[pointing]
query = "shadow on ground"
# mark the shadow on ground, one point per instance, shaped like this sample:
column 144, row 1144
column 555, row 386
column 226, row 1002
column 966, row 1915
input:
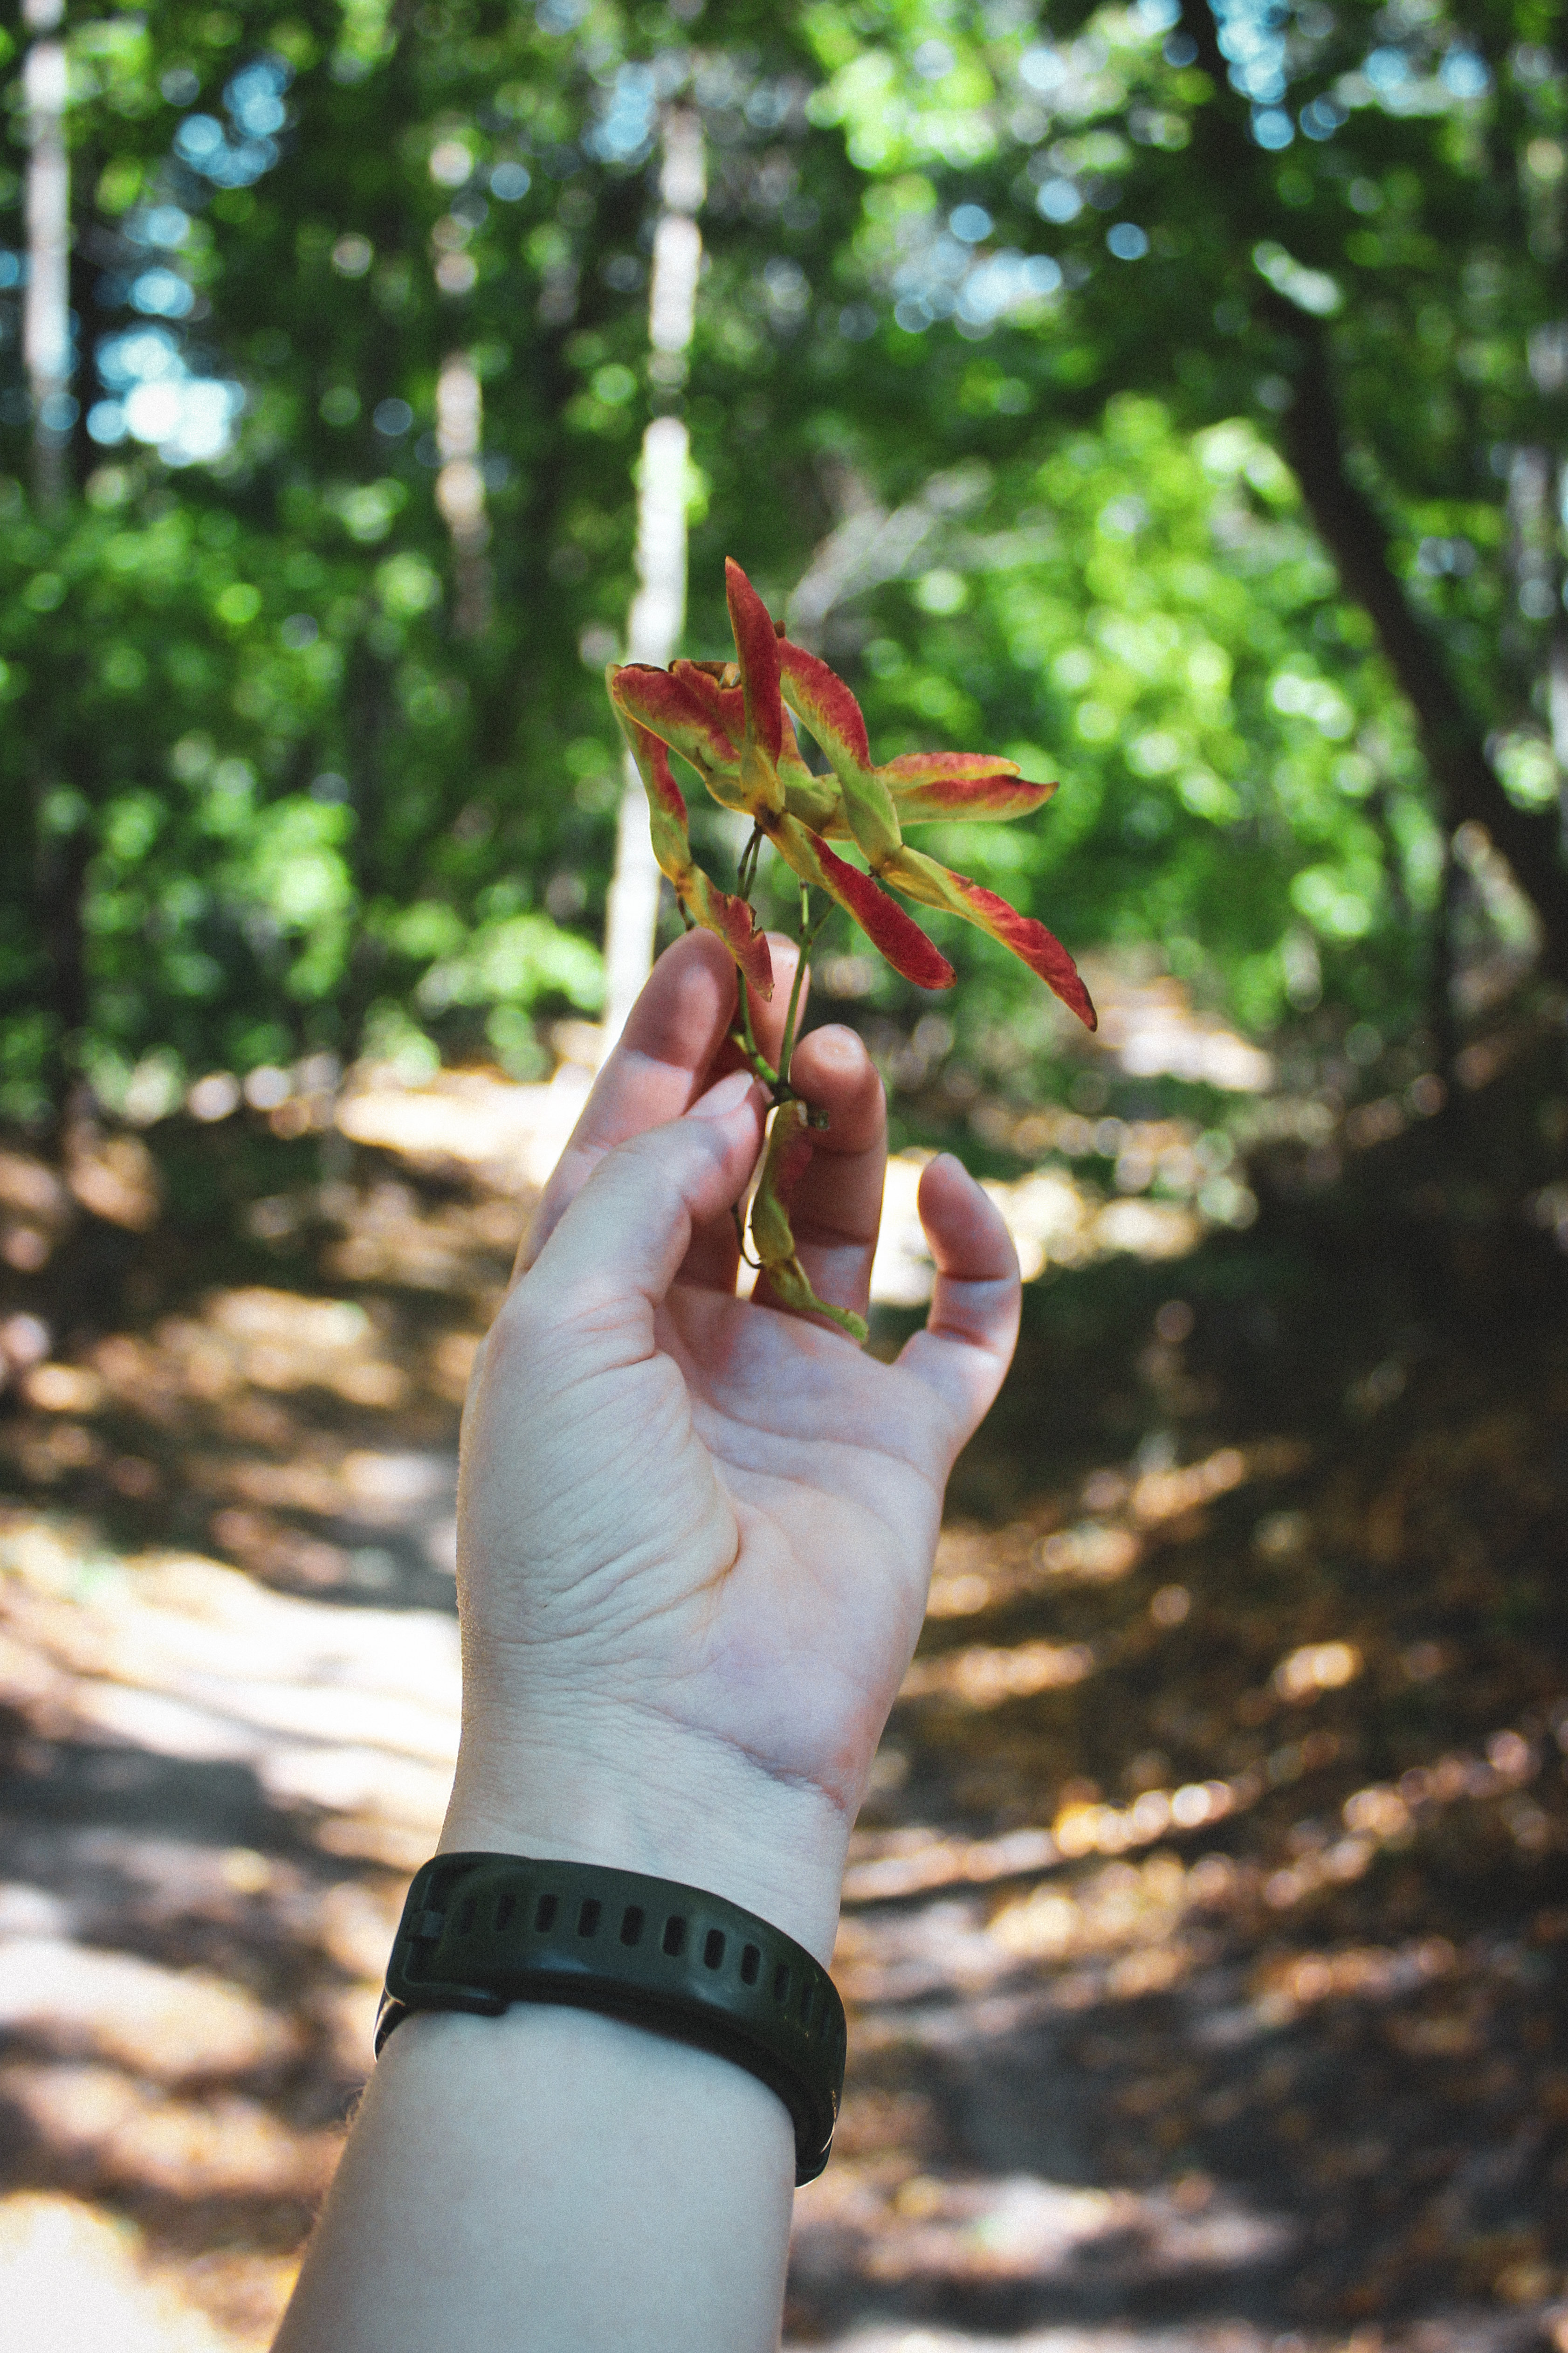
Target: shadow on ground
column 1203, row 1933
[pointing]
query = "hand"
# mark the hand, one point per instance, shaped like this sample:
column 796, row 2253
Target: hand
column 696, row 1533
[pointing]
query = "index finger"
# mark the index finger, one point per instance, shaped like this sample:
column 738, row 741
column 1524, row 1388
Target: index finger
column 654, row 1073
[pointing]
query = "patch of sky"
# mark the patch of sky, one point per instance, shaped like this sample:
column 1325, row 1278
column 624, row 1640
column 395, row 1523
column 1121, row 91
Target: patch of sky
column 769, row 106
column 1387, row 69
column 188, row 419
column 1042, row 69
column 971, row 223
column 624, row 131
column 1272, row 127
column 202, row 143
column 947, row 279
column 933, row 60
column 1059, row 201
column 162, row 294
column 1127, row 241
column 139, row 356
column 255, row 97
column 1312, row 291
column 1005, row 282
column 1465, row 74
column 13, row 268
column 1322, row 117
column 164, row 225
column 237, row 156
column 785, row 285
column 1252, row 40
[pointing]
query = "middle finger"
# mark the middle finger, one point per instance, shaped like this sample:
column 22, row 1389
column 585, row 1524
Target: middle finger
column 836, row 1209
column 711, row 1261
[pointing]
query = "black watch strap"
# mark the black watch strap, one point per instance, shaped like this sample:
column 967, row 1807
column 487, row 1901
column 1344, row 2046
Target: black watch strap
column 481, row 1931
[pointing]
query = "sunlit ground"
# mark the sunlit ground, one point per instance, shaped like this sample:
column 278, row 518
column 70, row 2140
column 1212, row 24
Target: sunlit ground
column 1203, row 1931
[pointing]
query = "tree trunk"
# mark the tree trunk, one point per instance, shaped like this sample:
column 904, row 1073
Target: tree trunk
column 658, row 608
column 1468, row 786
column 59, row 882
column 46, row 311
column 460, row 490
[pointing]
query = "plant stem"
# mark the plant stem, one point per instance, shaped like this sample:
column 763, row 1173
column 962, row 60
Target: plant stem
column 786, row 1051
column 743, row 1039
column 747, row 872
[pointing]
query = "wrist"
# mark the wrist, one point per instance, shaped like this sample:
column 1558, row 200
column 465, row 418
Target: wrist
column 703, row 1816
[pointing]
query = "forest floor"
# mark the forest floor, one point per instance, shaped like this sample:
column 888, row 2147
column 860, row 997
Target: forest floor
column 1204, row 1933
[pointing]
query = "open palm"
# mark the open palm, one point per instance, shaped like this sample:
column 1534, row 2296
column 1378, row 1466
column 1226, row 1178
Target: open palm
column 698, row 1531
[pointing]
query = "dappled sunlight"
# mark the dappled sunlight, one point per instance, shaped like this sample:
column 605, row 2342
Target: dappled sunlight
column 73, row 2278
column 1126, row 1888
column 355, row 1710
column 1025, row 2230
column 189, row 2001
column 166, row 2024
column 1151, row 1031
column 165, row 2084
column 505, row 1131
column 1228, row 2337
column 984, row 1678
column 108, row 2123
column 510, row 1134
column 233, row 1408
column 907, row 1862
column 1054, row 1218
column 1131, row 1513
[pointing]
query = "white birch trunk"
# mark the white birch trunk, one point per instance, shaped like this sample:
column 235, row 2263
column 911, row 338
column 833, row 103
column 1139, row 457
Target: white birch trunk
column 460, row 490
column 658, row 608
column 45, row 308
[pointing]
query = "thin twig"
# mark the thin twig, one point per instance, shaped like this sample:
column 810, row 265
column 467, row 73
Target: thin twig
column 786, row 1051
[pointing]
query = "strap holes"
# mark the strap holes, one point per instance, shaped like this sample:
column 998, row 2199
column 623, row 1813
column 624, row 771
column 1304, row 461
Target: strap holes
column 631, row 1924
column 713, row 1948
column 674, row 1938
column 466, row 1916
column 588, row 1917
column 750, row 1965
column 807, row 1998
column 780, row 1985
column 544, row 1912
column 504, row 1910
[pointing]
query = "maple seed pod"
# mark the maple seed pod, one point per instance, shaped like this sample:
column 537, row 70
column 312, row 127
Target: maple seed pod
column 733, row 724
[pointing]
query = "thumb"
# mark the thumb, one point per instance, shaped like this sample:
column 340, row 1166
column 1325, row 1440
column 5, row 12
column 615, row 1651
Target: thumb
column 625, row 1234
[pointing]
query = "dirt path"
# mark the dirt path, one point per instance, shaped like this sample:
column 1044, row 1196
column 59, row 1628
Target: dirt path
column 1204, row 1933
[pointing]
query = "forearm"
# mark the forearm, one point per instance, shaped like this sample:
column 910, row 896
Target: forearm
column 696, row 1541
column 556, row 2182
column 551, row 2182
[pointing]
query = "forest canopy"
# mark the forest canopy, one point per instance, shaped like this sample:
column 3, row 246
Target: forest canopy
column 1170, row 398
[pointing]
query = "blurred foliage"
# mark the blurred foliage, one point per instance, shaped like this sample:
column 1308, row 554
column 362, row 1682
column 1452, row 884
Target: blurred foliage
column 1035, row 348
column 1149, row 619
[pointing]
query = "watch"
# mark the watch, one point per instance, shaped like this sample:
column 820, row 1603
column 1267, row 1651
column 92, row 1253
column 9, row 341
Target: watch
column 481, row 1931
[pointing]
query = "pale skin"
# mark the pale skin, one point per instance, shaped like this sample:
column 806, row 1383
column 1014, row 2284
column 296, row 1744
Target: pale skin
column 696, row 1534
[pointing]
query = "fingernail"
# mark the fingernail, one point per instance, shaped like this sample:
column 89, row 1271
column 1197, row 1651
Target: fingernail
column 726, row 1097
